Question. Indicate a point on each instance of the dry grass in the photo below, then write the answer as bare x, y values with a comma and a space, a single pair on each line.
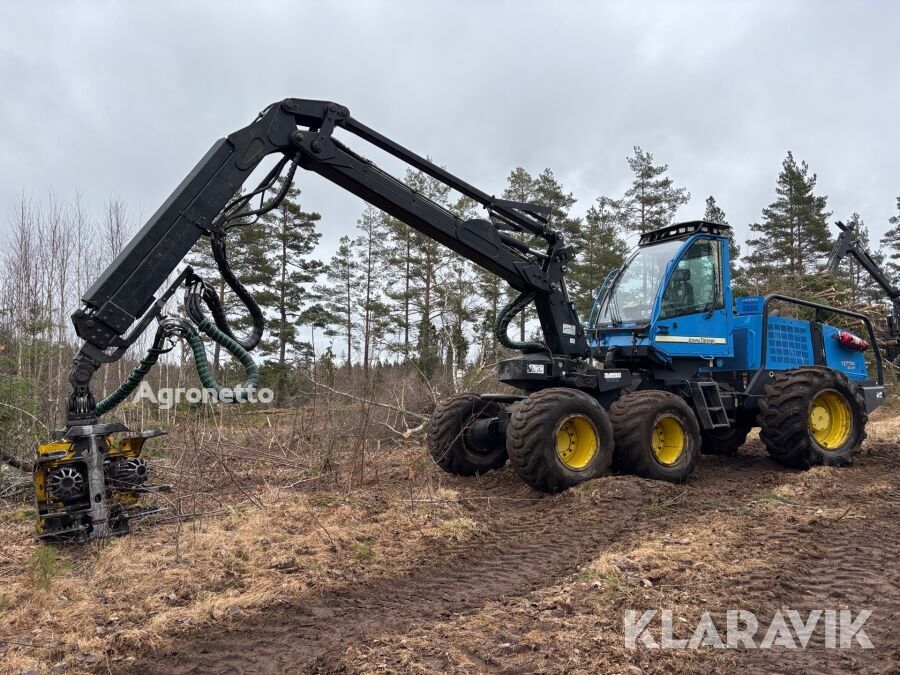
69, 605
266, 508
296, 528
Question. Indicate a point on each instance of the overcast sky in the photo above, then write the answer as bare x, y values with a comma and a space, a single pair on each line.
123, 98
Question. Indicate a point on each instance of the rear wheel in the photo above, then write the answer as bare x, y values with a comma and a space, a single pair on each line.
723, 441
657, 435
447, 442
558, 438
811, 416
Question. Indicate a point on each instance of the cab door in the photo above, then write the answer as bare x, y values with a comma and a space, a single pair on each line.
693, 315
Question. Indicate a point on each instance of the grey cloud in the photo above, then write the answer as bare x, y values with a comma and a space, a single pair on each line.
117, 98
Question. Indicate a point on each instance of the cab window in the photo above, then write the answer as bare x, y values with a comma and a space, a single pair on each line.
696, 283
634, 292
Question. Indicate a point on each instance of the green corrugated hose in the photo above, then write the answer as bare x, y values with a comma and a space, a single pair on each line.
124, 390
230, 346
131, 383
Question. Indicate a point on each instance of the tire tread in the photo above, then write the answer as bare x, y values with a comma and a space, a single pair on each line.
783, 417
534, 421
630, 415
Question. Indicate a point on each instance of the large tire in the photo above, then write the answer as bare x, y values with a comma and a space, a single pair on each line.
446, 438
657, 435
723, 441
811, 416
558, 438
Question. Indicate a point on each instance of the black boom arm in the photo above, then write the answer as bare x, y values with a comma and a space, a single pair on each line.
848, 243
302, 131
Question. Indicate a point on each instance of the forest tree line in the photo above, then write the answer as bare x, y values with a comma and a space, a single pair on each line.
389, 297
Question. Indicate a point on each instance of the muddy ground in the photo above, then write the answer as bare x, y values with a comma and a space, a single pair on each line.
417, 571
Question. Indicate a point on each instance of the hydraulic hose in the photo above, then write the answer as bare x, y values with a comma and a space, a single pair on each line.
507, 314
196, 294
131, 383
252, 339
235, 211
185, 330
203, 370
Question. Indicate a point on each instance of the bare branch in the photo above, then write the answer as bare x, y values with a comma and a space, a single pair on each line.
25, 412
407, 433
15, 462
360, 399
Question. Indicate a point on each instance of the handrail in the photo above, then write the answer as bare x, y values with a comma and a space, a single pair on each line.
818, 307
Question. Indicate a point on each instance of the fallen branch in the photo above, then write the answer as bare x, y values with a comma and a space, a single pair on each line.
408, 433
15, 462
360, 399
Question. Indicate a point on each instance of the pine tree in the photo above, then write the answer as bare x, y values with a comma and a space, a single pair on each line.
545, 190
315, 317
601, 249
715, 214
492, 293
429, 259
338, 295
456, 308
652, 199
399, 287
793, 235
891, 243
370, 253
458, 301
520, 187
291, 236
414, 259
425, 262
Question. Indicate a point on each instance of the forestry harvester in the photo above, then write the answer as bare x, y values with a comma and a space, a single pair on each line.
669, 363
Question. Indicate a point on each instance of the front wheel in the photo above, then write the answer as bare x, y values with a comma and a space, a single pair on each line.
811, 416
558, 438
447, 443
657, 435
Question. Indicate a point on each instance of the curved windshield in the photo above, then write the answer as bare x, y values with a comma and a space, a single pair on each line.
631, 298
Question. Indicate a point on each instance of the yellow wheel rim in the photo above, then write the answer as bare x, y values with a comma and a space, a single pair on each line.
577, 441
668, 440
830, 420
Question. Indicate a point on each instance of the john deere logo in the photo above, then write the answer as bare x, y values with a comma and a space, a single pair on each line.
691, 339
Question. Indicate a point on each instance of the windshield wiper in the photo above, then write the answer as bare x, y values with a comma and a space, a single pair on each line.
614, 313
711, 307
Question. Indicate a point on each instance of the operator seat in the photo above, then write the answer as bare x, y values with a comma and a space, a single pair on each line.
680, 291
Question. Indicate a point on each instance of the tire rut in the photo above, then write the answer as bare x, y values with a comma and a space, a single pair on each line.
529, 547
531, 543
848, 564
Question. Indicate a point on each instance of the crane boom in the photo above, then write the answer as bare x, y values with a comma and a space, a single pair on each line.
848, 244
302, 131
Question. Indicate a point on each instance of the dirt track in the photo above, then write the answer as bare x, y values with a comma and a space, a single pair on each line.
545, 583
